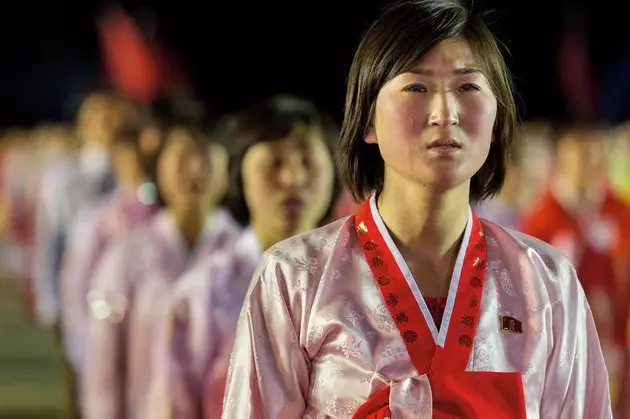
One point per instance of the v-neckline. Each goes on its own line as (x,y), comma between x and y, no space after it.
(438,334)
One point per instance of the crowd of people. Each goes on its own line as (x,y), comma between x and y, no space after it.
(135,233)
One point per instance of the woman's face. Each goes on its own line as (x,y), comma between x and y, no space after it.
(99,117)
(434,123)
(580,158)
(183,171)
(288,182)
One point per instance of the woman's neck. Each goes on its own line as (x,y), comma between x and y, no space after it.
(425,225)
(427,229)
(130,178)
(268,236)
(190,223)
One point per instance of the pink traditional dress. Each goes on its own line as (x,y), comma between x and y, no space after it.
(192,352)
(89,237)
(66,186)
(130,291)
(334,326)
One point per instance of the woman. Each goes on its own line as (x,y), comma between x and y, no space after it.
(136,273)
(95,226)
(338,322)
(581,215)
(131,203)
(283,183)
(67,185)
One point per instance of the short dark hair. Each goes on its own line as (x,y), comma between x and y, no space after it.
(273,119)
(400,38)
(170,111)
(164,113)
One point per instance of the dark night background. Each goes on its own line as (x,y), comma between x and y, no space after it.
(241,52)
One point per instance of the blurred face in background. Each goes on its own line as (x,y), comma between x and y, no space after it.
(183,171)
(512,185)
(288,182)
(56,138)
(580,158)
(99,117)
(536,154)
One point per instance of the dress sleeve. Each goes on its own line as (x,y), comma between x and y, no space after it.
(576,383)
(268,376)
(104,384)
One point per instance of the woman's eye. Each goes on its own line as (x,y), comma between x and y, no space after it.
(468,87)
(417,88)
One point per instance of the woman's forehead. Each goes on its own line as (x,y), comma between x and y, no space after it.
(453,55)
(310,141)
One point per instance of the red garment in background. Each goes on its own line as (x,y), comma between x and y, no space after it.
(551,222)
(604,268)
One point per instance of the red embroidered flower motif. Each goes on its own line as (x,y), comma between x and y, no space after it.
(479,246)
(376,261)
(465,340)
(384,280)
(475,282)
(371,245)
(410,336)
(473,302)
(392,300)
(468,321)
(479,264)
(401,318)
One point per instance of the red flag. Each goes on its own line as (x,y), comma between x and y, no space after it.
(129,61)
(139,67)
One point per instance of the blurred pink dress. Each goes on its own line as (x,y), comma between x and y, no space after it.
(66,186)
(193,350)
(130,292)
(322,336)
(94,229)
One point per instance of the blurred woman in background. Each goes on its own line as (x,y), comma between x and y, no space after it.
(68,185)
(583,217)
(132,202)
(282,183)
(136,275)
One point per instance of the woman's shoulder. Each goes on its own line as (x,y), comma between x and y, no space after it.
(530,258)
(500,232)
(318,243)
(221,273)
(297,264)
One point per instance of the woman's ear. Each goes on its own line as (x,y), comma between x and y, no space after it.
(370,136)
